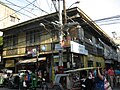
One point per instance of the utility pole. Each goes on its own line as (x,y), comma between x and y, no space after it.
(60,66)
(65,22)
(64,9)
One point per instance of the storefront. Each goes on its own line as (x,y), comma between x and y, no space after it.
(29,64)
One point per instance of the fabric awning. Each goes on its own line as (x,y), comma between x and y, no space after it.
(33,60)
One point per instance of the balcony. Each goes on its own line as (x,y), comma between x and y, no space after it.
(11,52)
(92,49)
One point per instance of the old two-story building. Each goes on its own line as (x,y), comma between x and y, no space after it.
(35,44)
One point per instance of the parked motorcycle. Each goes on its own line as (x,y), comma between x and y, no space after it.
(13,82)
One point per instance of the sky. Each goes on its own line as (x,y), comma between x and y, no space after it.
(95,9)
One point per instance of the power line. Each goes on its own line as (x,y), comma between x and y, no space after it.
(109,23)
(18,10)
(36,33)
(48,5)
(97,21)
(16,5)
(20,7)
(54,18)
(38,7)
(108,18)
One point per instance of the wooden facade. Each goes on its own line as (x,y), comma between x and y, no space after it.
(21,39)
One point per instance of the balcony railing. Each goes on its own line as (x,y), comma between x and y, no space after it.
(92,49)
(11,52)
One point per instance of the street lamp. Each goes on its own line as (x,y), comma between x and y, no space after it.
(52,62)
(77,2)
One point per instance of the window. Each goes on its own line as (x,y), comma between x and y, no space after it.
(46,38)
(81,33)
(93,40)
(32,37)
(10,41)
(12,18)
(90,63)
(98,64)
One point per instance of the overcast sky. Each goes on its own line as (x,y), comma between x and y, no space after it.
(95,9)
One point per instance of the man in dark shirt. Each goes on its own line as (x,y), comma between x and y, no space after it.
(86,83)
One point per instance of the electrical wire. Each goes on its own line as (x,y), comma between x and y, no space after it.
(38,7)
(109,23)
(73,20)
(117,16)
(43,10)
(49,22)
(48,5)
(38,4)
(108,20)
(16,5)
(17,10)
(20,7)
(25,40)
(97,21)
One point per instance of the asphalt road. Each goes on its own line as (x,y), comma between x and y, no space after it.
(116,88)
(2,88)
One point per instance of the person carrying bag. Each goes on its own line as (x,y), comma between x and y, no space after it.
(107,85)
(101,82)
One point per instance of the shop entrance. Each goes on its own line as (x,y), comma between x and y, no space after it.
(43,70)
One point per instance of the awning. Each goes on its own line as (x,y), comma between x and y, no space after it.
(9,63)
(33,60)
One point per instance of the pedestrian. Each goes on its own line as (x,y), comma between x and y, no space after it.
(99,80)
(111,75)
(86,83)
(117,77)
(26,81)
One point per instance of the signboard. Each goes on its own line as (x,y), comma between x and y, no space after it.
(58,47)
(0,59)
(65,42)
(43,48)
(32,51)
(9,63)
(78,48)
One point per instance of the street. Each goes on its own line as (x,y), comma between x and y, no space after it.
(116,88)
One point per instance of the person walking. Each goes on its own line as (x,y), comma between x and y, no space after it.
(98,80)
(117,76)
(26,80)
(111,75)
(86,83)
